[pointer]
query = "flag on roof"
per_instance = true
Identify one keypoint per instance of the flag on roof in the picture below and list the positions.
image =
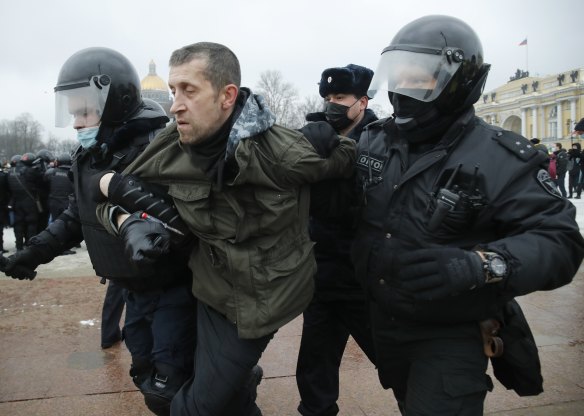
(524, 42)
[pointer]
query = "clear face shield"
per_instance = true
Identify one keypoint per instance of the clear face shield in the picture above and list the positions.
(419, 73)
(85, 100)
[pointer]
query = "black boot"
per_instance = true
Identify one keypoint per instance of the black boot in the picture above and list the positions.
(160, 388)
(140, 370)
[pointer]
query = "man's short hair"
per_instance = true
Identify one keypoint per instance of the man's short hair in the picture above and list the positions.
(350, 79)
(222, 64)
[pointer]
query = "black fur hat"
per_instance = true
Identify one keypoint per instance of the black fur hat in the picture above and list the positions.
(350, 79)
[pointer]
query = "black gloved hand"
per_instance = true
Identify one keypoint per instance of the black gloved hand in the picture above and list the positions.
(145, 239)
(21, 265)
(318, 116)
(436, 273)
(322, 136)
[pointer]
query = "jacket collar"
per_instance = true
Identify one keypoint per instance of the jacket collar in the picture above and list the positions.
(255, 117)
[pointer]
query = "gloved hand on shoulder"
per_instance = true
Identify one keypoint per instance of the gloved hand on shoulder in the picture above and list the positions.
(436, 273)
(145, 239)
(317, 116)
(322, 136)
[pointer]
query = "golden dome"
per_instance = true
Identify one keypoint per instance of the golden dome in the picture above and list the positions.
(153, 81)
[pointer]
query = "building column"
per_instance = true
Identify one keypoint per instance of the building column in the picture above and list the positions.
(572, 114)
(534, 120)
(524, 122)
(559, 121)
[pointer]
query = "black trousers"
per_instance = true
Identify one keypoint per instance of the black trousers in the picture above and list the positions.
(223, 363)
(111, 313)
(431, 375)
(325, 331)
(161, 327)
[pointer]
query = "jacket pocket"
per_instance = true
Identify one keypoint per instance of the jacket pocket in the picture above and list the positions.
(284, 259)
(284, 280)
(193, 202)
(459, 385)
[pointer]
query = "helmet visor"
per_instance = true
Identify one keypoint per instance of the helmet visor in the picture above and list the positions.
(83, 100)
(421, 74)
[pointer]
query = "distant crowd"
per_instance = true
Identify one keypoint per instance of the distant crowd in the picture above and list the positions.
(564, 163)
(34, 189)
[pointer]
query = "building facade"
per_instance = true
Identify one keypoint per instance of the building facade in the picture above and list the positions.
(537, 107)
(156, 89)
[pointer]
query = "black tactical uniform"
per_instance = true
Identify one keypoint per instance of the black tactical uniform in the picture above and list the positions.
(25, 182)
(439, 184)
(4, 201)
(60, 185)
(160, 324)
(42, 164)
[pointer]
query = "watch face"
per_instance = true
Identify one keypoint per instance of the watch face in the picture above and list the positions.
(498, 266)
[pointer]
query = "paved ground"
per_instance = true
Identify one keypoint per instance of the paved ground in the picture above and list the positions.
(51, 362)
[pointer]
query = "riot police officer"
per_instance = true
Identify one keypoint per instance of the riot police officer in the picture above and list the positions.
(457, 218)
(98, 90)
(24, 183)
(60, 184)
(4, 201)
(43, 163)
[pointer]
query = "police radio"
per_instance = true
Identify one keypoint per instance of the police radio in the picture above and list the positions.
(446, 201)
(451, 196)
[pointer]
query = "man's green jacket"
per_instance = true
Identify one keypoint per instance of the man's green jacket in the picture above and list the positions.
(254, 260)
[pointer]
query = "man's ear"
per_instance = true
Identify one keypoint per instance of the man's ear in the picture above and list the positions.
(230, 92)
(363, 102)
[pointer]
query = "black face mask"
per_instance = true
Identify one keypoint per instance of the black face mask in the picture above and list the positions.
(408, 107)
(411, 113)
(418, 121)
(336, 115)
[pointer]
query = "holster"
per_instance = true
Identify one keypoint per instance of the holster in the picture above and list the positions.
(492, 344)
(518, 368)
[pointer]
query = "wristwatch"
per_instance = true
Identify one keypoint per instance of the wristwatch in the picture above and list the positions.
(494, 266)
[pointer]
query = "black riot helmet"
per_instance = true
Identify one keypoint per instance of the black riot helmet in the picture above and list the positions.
(15, 159)
(45, 155)
(63, 159)
(435, 60)
(28, 158)
(97, 79)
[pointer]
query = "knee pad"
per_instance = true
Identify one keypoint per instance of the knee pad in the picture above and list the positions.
(160, 388)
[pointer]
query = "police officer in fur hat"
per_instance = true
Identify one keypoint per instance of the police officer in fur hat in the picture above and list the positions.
(337, 309)
(345, 92)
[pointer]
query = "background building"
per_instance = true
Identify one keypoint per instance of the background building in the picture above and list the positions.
(543, 107)
(156, 89)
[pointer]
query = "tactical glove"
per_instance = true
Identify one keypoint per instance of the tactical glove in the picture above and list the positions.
(322, 136)
(22, 264)
(145, 239)
(436, 273)
(318, 116)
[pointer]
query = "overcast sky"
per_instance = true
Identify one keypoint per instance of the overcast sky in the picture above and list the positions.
(300, 38)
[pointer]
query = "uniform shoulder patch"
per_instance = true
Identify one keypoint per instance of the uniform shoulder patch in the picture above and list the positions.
(545, 180)
(518, 145)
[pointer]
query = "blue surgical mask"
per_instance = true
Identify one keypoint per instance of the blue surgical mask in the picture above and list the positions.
(87, 136)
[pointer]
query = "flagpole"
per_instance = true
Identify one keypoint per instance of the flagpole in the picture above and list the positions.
(526, 56)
